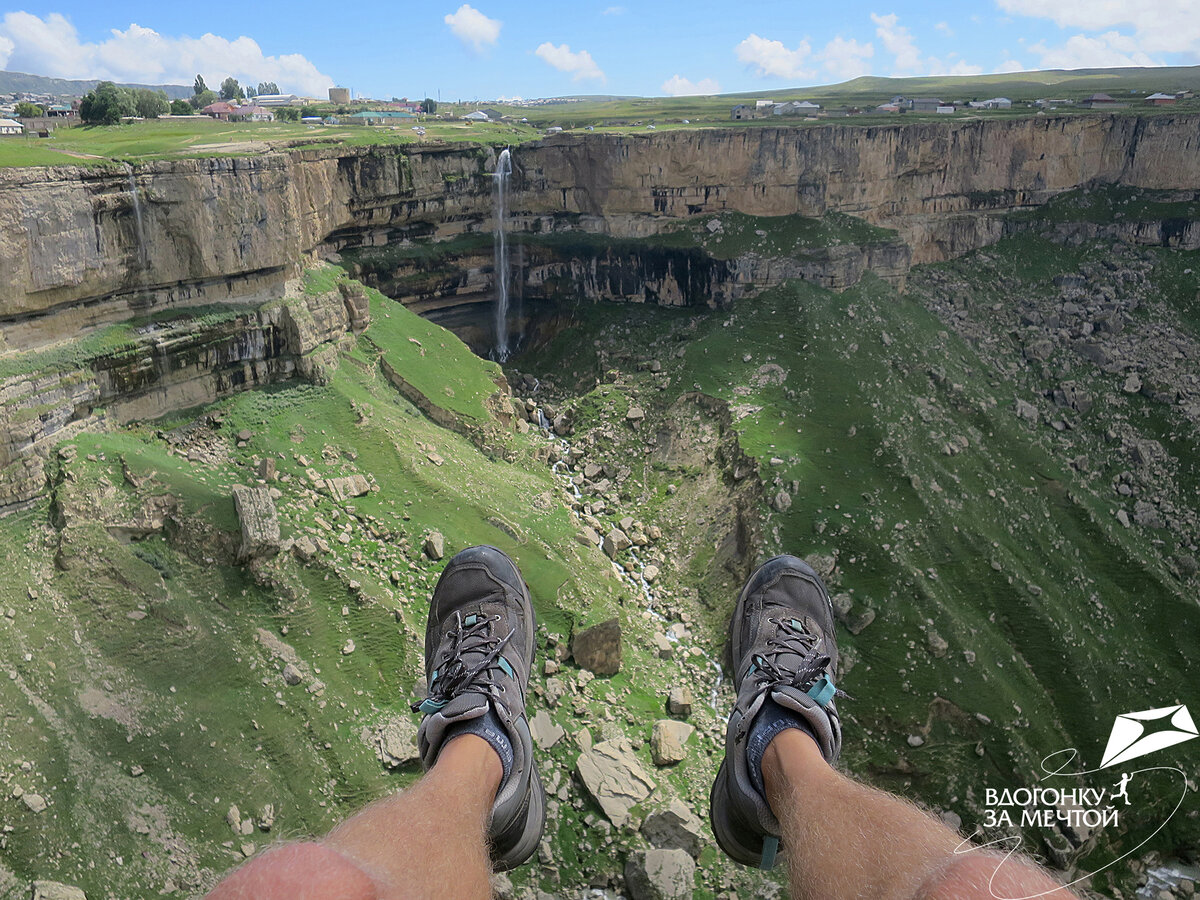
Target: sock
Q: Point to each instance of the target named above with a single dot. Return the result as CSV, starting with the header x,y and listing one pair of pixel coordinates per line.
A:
x,y
491,729
770,721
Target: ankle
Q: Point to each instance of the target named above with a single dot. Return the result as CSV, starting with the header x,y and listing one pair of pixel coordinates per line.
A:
x,y
791,756
468,757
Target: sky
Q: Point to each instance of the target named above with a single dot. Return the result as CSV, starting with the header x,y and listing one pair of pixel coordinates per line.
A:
x,y
507,49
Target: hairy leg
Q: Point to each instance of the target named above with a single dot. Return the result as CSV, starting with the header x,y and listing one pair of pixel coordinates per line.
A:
x,y
844,839
429,841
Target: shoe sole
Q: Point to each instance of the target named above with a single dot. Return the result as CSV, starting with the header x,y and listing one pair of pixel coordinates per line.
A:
x,y
719,819
504,860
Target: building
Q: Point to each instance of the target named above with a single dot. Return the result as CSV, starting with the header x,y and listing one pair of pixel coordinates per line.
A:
x,y
339,95
1100,101
1160,99
925,104
380,117
219,110
994,103
59,110
890,108
478,116
276,99
8,126
253,113
741,112
796,108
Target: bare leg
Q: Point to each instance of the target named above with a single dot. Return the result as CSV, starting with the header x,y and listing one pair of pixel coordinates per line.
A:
x,y
428,841
844,839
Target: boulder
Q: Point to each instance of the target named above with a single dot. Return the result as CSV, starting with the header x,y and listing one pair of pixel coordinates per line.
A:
x,y
667,739
396,741
54,890
435,546
937,644
674,827
660,874
588,537
635,415
679,701
616,541
292,674
598,649
347,486
614,778
545,731
259,520
358,305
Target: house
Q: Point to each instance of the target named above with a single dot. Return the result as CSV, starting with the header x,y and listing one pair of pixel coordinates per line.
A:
x,y
478,116
888,108
1160,99
994,103
554,129
494,114
8,126
59,110
380,117
741,112
220,110
796,108
945,110
253,113
1100,101
925,104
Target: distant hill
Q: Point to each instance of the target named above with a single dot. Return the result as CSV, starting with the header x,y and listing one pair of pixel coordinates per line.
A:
x,y
14,82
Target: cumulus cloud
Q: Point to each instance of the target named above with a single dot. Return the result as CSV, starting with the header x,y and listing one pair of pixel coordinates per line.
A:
x,y
1010,65
847,58
678,86
944,28
898,41
771,59
614,11
472,27
579,64
52,47
1081,52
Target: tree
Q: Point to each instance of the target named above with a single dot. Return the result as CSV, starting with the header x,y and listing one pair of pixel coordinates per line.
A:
x,y
203,99
105,104
250,92
199,87
150,104
29,110
268,87
231,90
429,105
287,114
181,108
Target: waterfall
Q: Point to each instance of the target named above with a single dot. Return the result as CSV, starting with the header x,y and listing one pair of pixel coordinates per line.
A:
x,y
137,216
500,251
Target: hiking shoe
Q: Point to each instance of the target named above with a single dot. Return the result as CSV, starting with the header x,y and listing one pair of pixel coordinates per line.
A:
x,y
784,650
479,646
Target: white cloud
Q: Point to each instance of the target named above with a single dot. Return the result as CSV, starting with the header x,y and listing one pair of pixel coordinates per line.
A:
x,y
614,11
898,41
1010,65
771,59
580,65
678,86
6,49
52,47
847,58
935,66
1164,26
944,28
1082,52
472,27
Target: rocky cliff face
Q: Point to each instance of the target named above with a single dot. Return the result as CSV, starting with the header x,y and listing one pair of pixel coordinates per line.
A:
x,y
82,246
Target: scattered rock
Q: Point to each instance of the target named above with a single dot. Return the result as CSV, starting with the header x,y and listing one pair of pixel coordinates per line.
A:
x,y
823,565
54,890
292,675
1123,517
660,874
259,520
1026,411
667,739
266,469
674,827
598,649
915,740
435,546
859,619
663,646
266,817
936,643
35,802
635,415
348,486
679,701
650,573
136,771
348,647
842,604
614,778
233,818
588,537
782,501
546,732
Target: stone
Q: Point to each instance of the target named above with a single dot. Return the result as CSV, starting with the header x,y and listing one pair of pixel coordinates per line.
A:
x,y
546,732
650,573
1123,517
660,874
915,740
859,619
266,817
782,501
435,546
616,541
233,818
396,741
347,487
679,701
674,827
823,564
259,520
1146,515
598,649
348,647
247,849
662,645
35,802
587,537
1026,411
667,739
635,415
136,771
936,643
55,890
592,471
614,778
292,675
266,469
842,604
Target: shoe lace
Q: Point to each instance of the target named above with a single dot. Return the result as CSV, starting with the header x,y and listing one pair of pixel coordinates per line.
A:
x,y
793,639
453,675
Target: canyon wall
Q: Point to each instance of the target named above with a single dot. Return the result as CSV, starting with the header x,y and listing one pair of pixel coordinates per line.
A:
x,y
95,244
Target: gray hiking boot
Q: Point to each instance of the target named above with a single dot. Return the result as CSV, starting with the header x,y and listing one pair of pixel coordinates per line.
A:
x,y
784,650
479,646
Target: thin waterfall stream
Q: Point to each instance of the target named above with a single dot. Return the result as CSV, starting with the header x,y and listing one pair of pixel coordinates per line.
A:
x,y
500,179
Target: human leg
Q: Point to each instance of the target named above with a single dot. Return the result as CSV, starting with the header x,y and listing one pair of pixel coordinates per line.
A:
x,y
839,838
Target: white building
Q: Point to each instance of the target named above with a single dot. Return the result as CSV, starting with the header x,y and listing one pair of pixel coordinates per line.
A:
x,y
477,116
8,126
275,99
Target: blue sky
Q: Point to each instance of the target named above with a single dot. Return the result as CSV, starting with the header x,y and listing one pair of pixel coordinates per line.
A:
x,y
491,49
